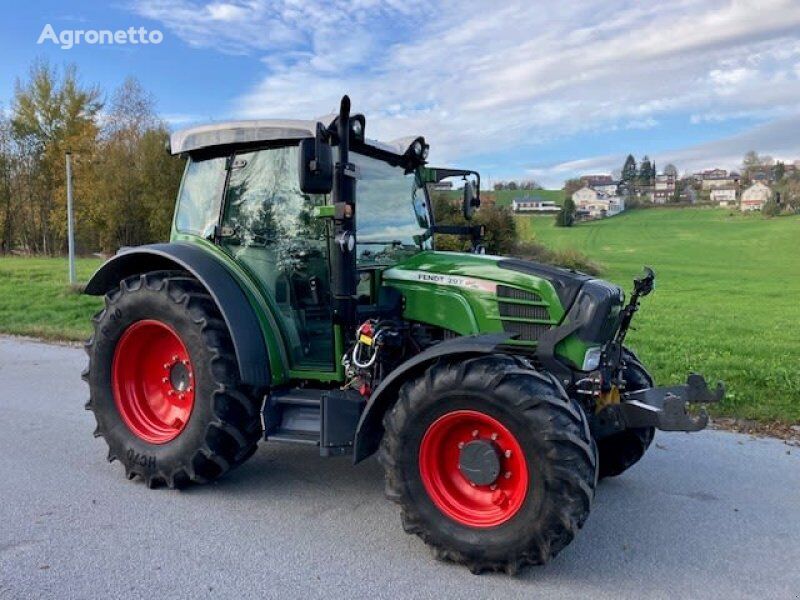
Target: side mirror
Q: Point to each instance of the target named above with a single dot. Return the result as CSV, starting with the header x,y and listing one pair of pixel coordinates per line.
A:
x,y
471,199
316,165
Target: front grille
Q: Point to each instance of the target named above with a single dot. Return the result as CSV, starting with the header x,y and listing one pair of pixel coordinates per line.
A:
x,y
527,331
523,311
503,291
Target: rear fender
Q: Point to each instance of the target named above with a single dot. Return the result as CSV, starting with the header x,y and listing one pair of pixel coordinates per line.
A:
x,y
251,350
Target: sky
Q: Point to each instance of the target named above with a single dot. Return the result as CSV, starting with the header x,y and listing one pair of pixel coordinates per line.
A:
x,y
516,90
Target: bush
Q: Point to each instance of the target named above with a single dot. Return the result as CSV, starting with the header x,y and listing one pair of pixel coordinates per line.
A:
x,y
771,209
566,216
569,258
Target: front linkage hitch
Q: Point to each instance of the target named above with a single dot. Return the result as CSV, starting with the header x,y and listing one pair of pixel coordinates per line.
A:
x,y
664,408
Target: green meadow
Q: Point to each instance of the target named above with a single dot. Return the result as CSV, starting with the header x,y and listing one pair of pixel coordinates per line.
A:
x,y
36,299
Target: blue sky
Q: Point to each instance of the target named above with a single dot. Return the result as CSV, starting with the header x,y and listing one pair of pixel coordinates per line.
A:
x,y
532,89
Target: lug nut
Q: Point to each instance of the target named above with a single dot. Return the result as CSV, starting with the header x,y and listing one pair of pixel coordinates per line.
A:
x,y
460,445
507,475
164,379
507,454
494,436
493,487
472,483
474,433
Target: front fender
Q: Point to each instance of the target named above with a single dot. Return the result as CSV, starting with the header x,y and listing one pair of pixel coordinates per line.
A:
x,y
251,351
370,426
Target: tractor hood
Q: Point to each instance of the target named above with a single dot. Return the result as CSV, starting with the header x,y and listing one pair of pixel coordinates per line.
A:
x,y
477,272
471,293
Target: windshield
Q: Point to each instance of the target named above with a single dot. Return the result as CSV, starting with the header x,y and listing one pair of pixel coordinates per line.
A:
x,y
393,213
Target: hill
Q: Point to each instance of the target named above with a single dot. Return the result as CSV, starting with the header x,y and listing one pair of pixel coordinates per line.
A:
x,y
726,300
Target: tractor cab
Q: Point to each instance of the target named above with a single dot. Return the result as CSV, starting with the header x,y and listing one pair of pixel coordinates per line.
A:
x,y
263,192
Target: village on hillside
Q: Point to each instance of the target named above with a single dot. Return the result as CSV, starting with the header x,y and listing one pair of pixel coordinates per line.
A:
x,y
762,184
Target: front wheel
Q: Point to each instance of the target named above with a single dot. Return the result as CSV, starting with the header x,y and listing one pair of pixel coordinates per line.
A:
x,y
492,465
619,452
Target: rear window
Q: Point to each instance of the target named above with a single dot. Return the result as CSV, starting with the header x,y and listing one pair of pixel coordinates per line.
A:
x,y
200,196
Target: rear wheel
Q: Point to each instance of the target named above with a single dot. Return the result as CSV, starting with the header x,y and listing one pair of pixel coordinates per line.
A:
x,y
164,383
492,464
621,451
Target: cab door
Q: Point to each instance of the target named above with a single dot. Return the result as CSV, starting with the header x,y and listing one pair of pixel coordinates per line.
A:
x,y
267,226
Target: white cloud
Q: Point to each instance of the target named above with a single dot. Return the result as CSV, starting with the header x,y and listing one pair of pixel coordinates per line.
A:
x,y
477,77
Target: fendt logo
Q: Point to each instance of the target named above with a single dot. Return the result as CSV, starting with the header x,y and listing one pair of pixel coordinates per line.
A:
x,y
66,39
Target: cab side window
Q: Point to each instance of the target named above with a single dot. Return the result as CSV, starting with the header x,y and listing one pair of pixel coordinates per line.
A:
x,y
200,196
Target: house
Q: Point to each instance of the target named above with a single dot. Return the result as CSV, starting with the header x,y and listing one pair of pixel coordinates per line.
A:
x,y
755,197
714,178
663,189
724,196
604,184
595,205
534,205
610,188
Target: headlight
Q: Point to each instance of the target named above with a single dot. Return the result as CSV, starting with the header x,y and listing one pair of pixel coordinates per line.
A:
x,y
591,360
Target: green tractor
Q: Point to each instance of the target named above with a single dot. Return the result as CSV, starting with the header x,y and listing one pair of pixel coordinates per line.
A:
x,y
301,300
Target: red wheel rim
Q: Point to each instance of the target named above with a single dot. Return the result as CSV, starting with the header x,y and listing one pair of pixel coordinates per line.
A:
x,y
455,495
153,381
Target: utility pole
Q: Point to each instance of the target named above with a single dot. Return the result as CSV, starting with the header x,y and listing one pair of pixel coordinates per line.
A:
x,y
70,223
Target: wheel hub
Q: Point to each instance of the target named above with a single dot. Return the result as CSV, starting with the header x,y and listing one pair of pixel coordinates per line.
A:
x,y
473,468
179,377
479,462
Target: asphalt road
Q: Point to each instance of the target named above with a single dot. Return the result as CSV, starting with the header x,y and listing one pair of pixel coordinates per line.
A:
x,y
708,515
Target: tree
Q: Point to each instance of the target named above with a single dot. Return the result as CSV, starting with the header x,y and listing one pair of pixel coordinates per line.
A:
x,y
51,113
629,171
566,216
645,171
138,180
571,186
671,170
780,170
6,176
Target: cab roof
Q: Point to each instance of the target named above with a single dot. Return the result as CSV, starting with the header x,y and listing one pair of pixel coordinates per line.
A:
x,y
264,130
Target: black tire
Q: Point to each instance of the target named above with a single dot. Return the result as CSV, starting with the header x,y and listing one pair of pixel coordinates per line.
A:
x,y
551,429
619,452
224,426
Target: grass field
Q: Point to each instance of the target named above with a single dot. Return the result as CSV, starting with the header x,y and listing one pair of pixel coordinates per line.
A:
x,y
727,299
36,299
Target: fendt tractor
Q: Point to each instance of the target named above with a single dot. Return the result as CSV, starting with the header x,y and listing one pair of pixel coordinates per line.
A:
x,y
301,300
